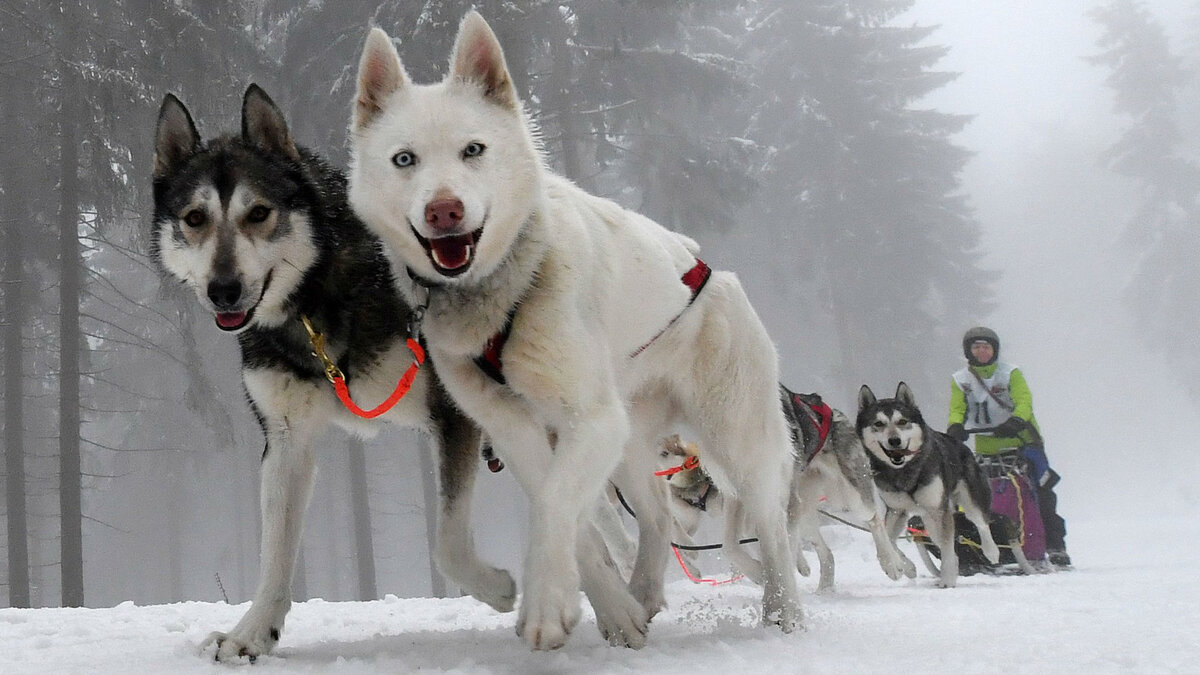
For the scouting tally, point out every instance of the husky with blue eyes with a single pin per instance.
(576, 332)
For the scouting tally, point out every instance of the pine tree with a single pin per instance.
(1146, 79)
(860, 186)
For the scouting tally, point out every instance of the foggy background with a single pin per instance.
(882, 174)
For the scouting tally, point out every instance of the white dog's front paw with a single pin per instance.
(549, 612)
(496, 588)
(254, 636)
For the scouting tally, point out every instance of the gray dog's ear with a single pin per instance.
(866, 397)
(263, 124)
(905, 395)
(175, 138)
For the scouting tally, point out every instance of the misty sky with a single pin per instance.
(1052, 216)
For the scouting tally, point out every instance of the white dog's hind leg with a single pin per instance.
(287, 478)
(647, 494)
(607, 519)
(621, 619)
(741, 561)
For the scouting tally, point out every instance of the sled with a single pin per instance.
(1016, 524)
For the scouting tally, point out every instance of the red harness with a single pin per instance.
(490, 362)
(821, 415)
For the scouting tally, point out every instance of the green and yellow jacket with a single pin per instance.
(982, 397)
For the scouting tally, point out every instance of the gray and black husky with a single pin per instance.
(260, 229)
(923, 472)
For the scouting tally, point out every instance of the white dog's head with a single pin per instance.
(445, 174)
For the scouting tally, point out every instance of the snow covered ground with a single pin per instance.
(1132, 605)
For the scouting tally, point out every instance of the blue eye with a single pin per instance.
(473, 149)
(404, 158)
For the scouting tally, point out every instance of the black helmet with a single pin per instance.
(976, 334)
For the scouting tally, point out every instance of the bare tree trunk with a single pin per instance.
(175, 530)
(14, 375)
(437, 584)
(364, 540)
(561, 72)
(70, 290)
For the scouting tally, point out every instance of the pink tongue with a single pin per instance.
(451, 252)
(231, 319)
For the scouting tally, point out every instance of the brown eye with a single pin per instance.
(195, 218)
(258, 214)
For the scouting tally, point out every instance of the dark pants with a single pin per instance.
(1056, 527)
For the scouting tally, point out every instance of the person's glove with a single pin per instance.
(1010, 427)
(957, 432)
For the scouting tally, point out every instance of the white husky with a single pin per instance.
(571, 329)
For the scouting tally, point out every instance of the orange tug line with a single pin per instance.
(338, 379)
(402, 387)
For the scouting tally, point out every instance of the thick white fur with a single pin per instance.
(594, 283)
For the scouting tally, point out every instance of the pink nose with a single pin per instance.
(444, 214)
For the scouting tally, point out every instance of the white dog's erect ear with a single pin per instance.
(263, 124)
(379, 74)
(175, 138)
(478, 58)
(905, 395)
(866, 397)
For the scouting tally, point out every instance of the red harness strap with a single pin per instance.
(694, 279)
(822, 415)
(489, 361)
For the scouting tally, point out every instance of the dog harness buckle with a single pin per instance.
(332, 372)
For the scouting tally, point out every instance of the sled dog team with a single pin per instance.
(507, 302)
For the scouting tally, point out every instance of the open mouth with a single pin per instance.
(228, 321)
(897, 455)
(231, 321)
(451, 255)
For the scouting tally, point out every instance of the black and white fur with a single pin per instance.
(260, 229)
(923, 472)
